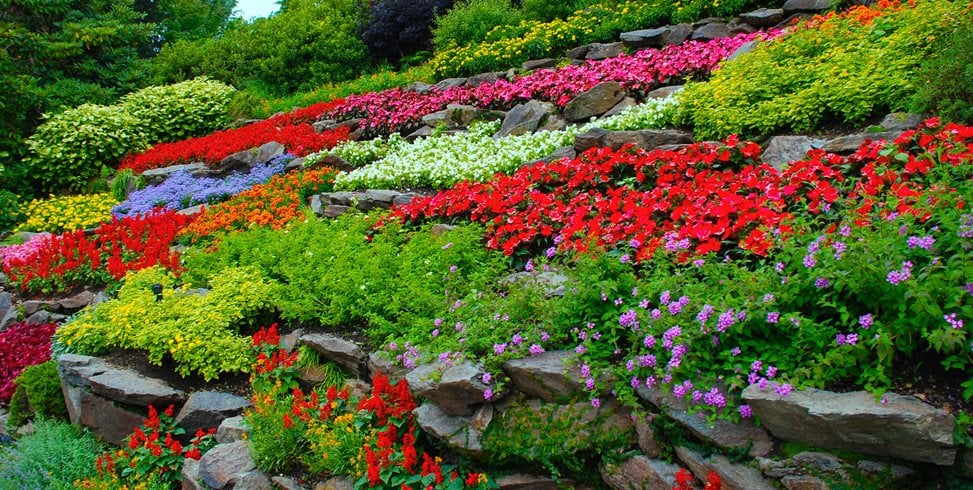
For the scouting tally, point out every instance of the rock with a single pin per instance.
(378, 362)
(805, 6)
(711, 31)
(619, 107)
(377, 199)
(290, 340)
(763, 17)
(336, 483)
(127, 386)
(819, 462)
(253, 480)
(639, 472)
(457, 392)
(577, 53)
(225, 464)
(107, 421)
(741, 28)
(460, 116)
(804, 482)
(539, 64)
(190, 474)
(677, 34)
(157, 176)
(100, 297)
(850, 143)
(781, 150)
(286, 483)
(423, 132)
(403, 198)
(645, 138)
(594, 102)
(743, 49)
(552, 283)
(208, 409)
(76, 369)
(550, 376)
(4, 280)
(562, 152)
(488, 77)
(42, 317)
(248, 158)
(450, 82)
(965, 463)
(644, 38)
(6, 303)
(9, 318)
(734, 476)
(647, 442)
(294, 164)
(231, 429)
(333, 211)
(901, 121)
(554, 123)
(457, 432)
(522, 481)
(33, 306)
(525, 118)
(345, 353)
(600, 51)
(900, 426)
(419, 87)
(192, 210)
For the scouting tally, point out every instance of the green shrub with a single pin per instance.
(200, 332)
(844, 68)
(946, 78)
(54, 456)
(548, 10)
(179, 111)
(38, 394)
(11, 212)
(74, 147)
(469, 22)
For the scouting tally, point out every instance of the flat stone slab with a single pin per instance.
(208, 409)
(639, 471)
(898, 426)
(734, 476)
(225, 464)
(125, 386)
(547, 376)
(458, 391)
(345, 353)
(460, 433)
(107, 421)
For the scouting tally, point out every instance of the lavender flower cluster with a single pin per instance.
(182, 190)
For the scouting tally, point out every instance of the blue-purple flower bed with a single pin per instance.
(183, 190)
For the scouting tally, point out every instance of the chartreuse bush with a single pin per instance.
(200, 332)
(77, 145)
(67, 213)
(38, 394)
(53, 457)
(848, 66)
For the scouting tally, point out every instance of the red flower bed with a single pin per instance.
(293, 130)
(75, 259)
(703, 198)
(22, 346)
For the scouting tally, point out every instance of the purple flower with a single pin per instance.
(488, 394)
(954, 321)
(925, 242)
(545, 336)
(486, 378)
(821, 283)
(715, 399)
(516, 339)
(628, 319)
(844, 231)
(647, 360)
(735, 351)
(498, 349)
(551, 252)
(969, 288)
(536, 350)
(529, 266)
(839, 249)
(596, 403)
(810, 261)
(634, 243)
(589, 384)
(779, 267)
(625, 258)
(771, 371)
(459, 326)
(703, 316)
(866, 321)
(725, 320)
(580, 349)
(745, 411)
(697, 396)
(644, 304)
(903, 274)
(635, 382)
(448, 246)
(665, 297)
(669, 335)
(773, 317)
(655, 314)
(768, 298)
(783, 389)
(585, 371)
(452, 269)
(435, 333)
(674, 308)
(699, 262)
(630, 365)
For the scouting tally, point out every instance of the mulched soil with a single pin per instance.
(237, 384)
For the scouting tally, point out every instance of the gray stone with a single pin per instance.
(577, 53)
(336, 483)
(525, 118)
(9, 318)
(457, 432)
(818, 461)
(733, 476)
(100, 297)
(423, 132)
(439, 229)
(6, 303)
(900, 426)
(285, 483)
(245, 159)
(554, 123)
(72, 400)
(4, 280)
(677, 34)
(805, 6)
(458, 390)
(539, 64)
(78, 301)
(232, 429)
(901, 121)
(645, 138)
(522, 481)
(377, 199)
(850, 143)
(33, 306)
(294, 164)
(157, 176)
(550, 376)
(333, 211)
(489, 77)
(208, 409)
(403, 198)
(562, 152)
(192, 210)
(639, 472)
(419, 87)
(190, 475)
(781, 150)
(225, 464)
(460, 116)
(314, 202)
(345, 353)
(647, 443)
(450, 83)
(594, 102)
(619, 107)
(644, 38)
(253, 480)
(743, 49)
(41, 317)
(105, 420)
(57, 318)
(76, 369)
(711, 31)
(379, 362)
(600, 51)
(126, 386)
(741, 28)
(552, 283)
(804, 482)
(763, 17)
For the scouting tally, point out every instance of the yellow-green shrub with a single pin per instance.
(181, 110)
(849, 66)
(201, 333)
(67, 213)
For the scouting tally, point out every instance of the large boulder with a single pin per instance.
(127, 386)
(158, 175)
(232, 429)
(850, 143)
(645, 138)
(550, 376)
(460, 433)
(594, 102)
(600, 51)
(345, 353)
(792, 7)
(460, 116)
(763, 17)
(208, 409)
(190, 475)
(525, 118)
(381, 363)
(78, 301)
(639, 471)
(734, 476)
(781, 150)
(708, 32)
(901, 121)
(107, 421)
(457, 390)
(225, 464)
(898, 426)
(539, 64)
(248, 158)
(644, 38)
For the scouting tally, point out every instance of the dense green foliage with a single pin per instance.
(848, 67)
(946, 79)
(53, 457)
(38, 394)
(470, 21)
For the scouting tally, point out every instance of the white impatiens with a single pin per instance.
(440, 162)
